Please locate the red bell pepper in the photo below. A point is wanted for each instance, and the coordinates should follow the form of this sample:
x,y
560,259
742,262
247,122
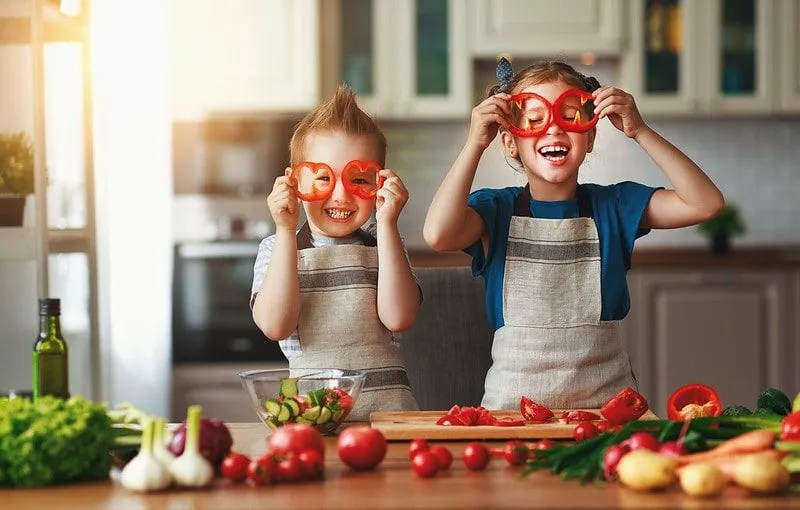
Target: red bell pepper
x,y
575,416
790,428
533,411
362,178
625,406
693,401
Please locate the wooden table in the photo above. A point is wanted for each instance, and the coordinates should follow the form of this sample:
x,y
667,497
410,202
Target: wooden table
x,y
393,485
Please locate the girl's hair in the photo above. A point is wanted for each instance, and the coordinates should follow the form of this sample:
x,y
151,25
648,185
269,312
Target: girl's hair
x,y
543,72
341,113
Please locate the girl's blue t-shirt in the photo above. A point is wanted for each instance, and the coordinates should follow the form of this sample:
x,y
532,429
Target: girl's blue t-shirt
x,y
617,211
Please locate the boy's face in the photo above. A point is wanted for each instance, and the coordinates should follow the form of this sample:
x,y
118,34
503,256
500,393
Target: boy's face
x,y
342,213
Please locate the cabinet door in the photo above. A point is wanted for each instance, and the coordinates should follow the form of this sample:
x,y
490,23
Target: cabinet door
x,y
738,66
660,67
244,56
724,328
789,35
547,28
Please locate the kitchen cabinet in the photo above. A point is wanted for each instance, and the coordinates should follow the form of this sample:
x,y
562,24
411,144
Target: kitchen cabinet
x,y
215,387
241,56
733,328
789,35
546,28
406,60
708,57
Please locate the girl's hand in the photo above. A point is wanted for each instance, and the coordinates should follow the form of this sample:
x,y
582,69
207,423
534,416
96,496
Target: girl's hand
x,y
620,108
283,202
487,118
390,199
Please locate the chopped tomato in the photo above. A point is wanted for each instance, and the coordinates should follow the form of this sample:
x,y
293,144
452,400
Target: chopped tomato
x,y
533,411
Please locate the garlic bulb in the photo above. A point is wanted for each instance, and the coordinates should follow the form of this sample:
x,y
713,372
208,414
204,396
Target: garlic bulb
x,y
191,469
145,473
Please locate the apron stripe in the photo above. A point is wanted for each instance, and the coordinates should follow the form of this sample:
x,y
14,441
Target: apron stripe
x,y
381,378
331,280
560,252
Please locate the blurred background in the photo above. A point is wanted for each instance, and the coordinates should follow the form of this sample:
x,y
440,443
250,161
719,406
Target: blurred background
x,y
158,126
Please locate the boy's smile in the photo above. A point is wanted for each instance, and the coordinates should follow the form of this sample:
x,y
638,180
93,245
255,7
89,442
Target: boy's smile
x,y
342,213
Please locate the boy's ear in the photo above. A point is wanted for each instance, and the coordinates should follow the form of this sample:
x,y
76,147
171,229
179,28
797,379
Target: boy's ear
x,y
590,141
507,139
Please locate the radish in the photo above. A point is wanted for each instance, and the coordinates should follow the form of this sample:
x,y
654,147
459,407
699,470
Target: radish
x,y
672,449
644,440
611,458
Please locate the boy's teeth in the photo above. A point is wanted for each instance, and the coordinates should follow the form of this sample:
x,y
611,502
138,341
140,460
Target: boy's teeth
x,y
338,214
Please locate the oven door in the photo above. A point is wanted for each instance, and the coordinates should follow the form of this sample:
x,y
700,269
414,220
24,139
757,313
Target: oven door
x,y
212,322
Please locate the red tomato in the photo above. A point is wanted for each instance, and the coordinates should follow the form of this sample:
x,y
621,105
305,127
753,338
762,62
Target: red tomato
x,y
313,463
416,446
263,470
294,439
291,469
544,444
585,430
476,456
425,464
234,467
605,426
361,447
644,440
790,428
515,452
533,411
443,456
346,401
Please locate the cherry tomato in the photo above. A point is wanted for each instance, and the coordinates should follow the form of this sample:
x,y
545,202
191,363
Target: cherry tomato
x,y
646,440
263,470
361,447
443,456
416,446
585,430
790,428
515,452
291,469
425,464
234,467
476,456
313,464
544,444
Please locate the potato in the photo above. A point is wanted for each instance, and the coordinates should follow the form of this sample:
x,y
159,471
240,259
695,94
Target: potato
x,y
702,480
761,473
646,470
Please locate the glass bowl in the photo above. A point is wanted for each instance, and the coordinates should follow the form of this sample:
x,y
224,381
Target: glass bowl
x,y
319,397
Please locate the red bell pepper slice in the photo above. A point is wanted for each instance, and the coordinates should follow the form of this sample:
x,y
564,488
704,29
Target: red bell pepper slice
x,y
448,420
693,401
485,417
577,120
469,415
509,422
625,406
362,178
531,114
575,416
315,181
533,411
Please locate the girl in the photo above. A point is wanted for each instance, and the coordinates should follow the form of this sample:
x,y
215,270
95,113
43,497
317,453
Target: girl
x,y
554,254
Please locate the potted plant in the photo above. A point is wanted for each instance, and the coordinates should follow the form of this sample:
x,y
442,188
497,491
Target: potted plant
x,y
16,177
720,229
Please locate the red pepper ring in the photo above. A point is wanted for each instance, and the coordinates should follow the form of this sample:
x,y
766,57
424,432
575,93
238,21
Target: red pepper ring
x,y
575,125
309,186
693,401
366,190
519,100
578,125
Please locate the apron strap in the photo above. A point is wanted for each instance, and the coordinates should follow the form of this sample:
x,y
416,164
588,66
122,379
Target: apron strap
x,y
304,238
522,206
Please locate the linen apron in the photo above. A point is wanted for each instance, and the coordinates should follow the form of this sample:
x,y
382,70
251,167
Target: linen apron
x,y
553,346
339,325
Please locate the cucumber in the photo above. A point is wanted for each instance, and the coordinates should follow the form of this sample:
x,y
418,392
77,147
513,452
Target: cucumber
x,y
337,415
284,414
289,387
324,416
273,407
293,406
272,423
304,421
312,413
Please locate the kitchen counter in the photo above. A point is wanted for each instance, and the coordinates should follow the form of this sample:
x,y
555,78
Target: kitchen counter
x,y
393,485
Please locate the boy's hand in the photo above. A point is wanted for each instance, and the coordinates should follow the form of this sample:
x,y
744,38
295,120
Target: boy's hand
x,y
390,199
283,203
487,118
620,108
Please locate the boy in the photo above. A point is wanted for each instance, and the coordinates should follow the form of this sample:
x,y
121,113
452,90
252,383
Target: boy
x,y
320,289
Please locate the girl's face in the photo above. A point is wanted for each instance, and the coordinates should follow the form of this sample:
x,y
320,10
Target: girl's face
x,y
554,157
342,213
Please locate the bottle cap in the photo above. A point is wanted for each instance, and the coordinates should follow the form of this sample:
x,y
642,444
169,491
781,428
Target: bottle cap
x,y
50,306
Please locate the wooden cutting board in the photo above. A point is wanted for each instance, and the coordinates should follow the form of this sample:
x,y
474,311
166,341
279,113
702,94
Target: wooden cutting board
x,y
407,425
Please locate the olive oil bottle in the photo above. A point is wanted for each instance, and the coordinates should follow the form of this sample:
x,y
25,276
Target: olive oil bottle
x,y
50,366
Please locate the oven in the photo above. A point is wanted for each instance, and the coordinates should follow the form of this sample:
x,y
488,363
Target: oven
x,y
211,314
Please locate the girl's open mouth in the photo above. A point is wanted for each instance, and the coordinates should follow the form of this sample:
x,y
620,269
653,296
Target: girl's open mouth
x,y
554,153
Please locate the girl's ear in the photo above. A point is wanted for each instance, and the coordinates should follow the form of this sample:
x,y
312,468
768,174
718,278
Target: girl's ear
x,y
590,141
507,139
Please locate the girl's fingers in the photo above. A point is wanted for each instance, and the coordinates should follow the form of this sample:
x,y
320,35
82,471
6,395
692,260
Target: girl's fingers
x,y
610,101
608,110
500,103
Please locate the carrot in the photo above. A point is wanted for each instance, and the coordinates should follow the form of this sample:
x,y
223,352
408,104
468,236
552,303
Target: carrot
x,y
727,463
749,442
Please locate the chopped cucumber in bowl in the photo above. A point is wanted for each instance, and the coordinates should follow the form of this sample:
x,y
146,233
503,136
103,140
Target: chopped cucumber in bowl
x,y
320,397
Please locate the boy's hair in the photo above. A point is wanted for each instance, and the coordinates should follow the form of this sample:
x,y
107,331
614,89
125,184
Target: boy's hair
x,y
341,113
543,72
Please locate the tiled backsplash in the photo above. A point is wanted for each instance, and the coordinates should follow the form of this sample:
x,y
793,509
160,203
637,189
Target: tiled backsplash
x,y
756,164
